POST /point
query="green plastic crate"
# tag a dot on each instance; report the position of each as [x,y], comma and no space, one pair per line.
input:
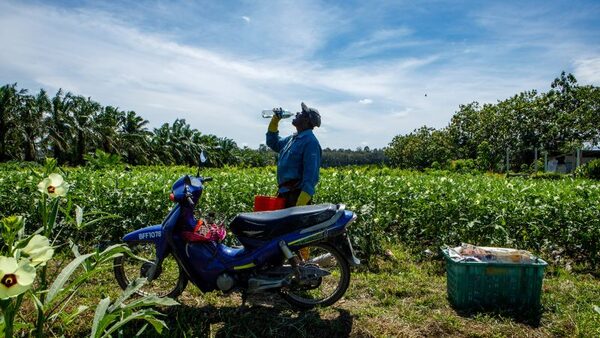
[475,285]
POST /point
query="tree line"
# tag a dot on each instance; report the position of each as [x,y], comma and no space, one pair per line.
[76,130]
[564,119]
[359,156]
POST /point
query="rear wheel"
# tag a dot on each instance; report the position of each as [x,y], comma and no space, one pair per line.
[313,290]
[170,279]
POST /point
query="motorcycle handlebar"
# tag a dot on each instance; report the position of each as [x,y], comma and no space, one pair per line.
[188,195]
[190,201]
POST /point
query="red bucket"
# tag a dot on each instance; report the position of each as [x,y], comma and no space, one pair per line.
[266,203]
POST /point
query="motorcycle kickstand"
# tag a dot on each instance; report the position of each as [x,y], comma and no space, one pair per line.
[243,307]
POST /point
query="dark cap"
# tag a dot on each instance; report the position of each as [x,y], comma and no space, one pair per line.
[313,115]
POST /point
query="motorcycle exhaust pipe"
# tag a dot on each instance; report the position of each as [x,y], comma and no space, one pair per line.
[256,285]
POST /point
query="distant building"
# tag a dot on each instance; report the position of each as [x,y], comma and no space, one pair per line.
[566,163]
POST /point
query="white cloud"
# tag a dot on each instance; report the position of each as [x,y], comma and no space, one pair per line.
[221,92]
[382,36]
[245,18]
[588,71]
[289,29]
[402,113]
[92,55]
[549,36]
[382,40]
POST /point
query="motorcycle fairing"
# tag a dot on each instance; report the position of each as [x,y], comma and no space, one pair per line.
[195,188]
[155,234]
[213,259]
[151,233]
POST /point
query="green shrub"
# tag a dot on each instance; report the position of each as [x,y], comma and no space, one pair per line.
[101,160]
[464,166]
[484,159]
[589,170]
[539,164]
[548,176]
[524,168]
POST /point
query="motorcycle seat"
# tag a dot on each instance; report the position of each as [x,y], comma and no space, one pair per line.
[270,224]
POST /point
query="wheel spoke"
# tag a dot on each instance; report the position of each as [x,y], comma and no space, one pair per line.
[166,281]
[323,290]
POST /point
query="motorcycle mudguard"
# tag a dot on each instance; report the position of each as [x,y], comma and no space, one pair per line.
[342,242]
[335,235]
[339,238]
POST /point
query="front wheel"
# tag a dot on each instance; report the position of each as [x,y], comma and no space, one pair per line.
[170,279]
[321,290]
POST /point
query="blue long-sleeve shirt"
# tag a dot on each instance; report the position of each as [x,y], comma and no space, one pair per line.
[299,159]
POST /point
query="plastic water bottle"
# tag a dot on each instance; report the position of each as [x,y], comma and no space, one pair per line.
[268,113]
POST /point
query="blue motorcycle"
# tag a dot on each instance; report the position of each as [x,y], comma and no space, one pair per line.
[302,253]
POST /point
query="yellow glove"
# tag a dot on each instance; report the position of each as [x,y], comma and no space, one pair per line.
[303,199]
[274,124]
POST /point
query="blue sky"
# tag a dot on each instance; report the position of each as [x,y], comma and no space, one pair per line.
[366,65]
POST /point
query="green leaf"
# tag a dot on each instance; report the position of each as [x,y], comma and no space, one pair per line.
[106,216]
[74,285]
[64,275]
[130,290]
[140,331]
[112,252]
[74,248]
[147,315]
[52,215]
[115,248]
[99,314]
[152,301]
[37,302]
[69,318]
[158,324]
[597,308]
[78,216]
[106,321]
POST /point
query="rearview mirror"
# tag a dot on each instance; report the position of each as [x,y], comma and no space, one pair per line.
[201,160]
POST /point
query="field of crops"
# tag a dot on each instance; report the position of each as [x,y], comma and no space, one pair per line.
[558,218]
[401,213]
